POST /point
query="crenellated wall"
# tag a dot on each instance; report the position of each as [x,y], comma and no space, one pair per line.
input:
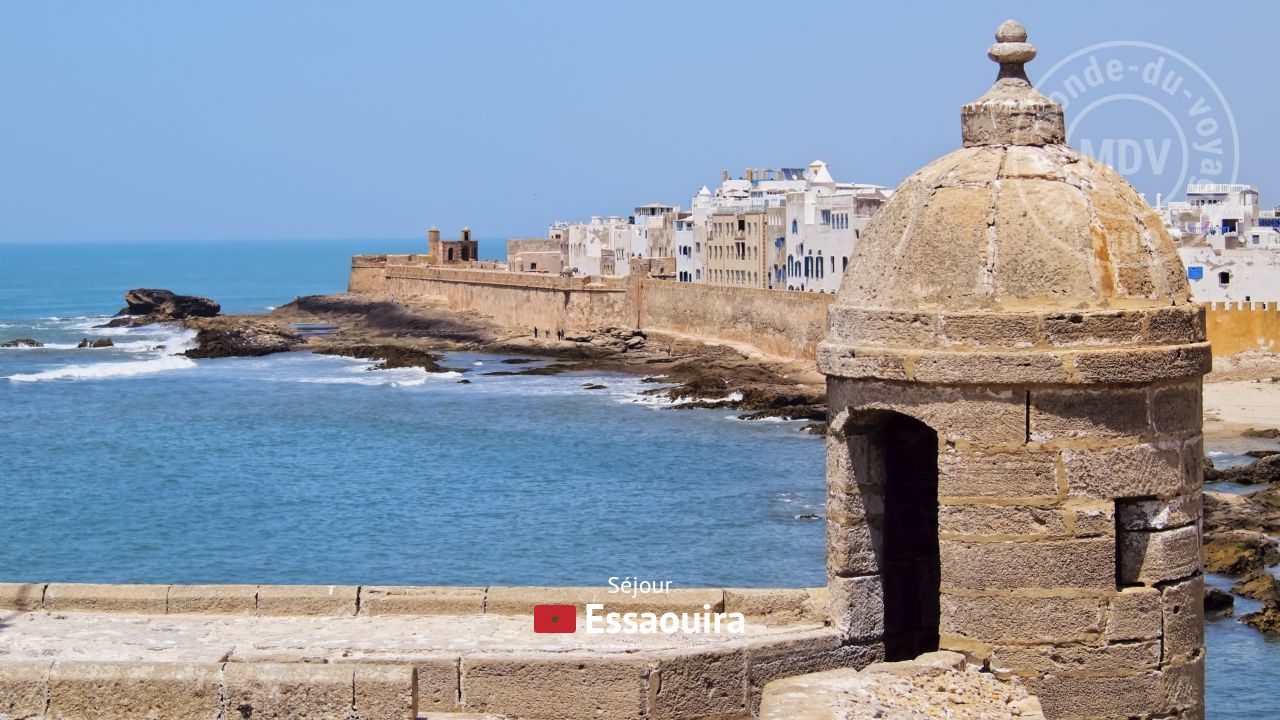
[1235,327]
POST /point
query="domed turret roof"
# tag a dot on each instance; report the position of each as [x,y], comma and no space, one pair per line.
[1015,260]
[1015,220]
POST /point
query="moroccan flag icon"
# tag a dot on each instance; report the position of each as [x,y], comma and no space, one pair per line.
[555,619]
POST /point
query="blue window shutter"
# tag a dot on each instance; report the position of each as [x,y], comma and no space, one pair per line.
[1195,272]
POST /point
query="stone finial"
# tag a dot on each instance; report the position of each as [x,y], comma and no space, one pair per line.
[1012,112]
[1012,50]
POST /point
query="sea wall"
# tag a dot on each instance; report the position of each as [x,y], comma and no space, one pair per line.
[548,302]
[1235,327]
[777,321]
[783,323]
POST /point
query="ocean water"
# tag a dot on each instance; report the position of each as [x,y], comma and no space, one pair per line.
[131,464]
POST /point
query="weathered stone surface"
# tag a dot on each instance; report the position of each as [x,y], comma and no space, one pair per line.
[1030,661]
[767,662]
[1092,518]
[1071,414]
[980,368]
[976,414]
[851,549]
[592,689]
[1080,563]
[438,682]
[1178,408]
[1182,687]
[857,607]
[1084,697]
[1176,324]
[1159,514]
[213,599]
[1009,619]
[21,596]
[1182,606]
[889,329]
[961,521]
[310,691]
[937,684]
[1137,470]
[778,606]
[706,684]
[24,688]
[110,691]
[985,330]
[997,475]
[1149,557]
[307,599]
[1146,365]
[1134,614]
[403,600]
[385,692]
[1094,328]
[520,600]
[145,599]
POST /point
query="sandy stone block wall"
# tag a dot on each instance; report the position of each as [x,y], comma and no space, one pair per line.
[213,599]
[593,689]
[21,596]
[24,689]
[520,600]
[110,691]
[390,600]
[776,321]
[302,690]
[145,599]
[316,600]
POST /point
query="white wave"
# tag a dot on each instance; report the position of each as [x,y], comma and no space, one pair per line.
[270,308]
[398,377]
[764,419]
[104,371]
[46,346]
[478,363]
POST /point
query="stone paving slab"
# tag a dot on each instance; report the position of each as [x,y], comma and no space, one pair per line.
[77,636]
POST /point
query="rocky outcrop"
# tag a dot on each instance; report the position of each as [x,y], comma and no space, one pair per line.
[1258,511]
[99,343]
[1258,586]
[22,343]
[166,305]
[239,336]
[1258,472]
[390,356]
[1267,619]
[1239,552]
[1217,602]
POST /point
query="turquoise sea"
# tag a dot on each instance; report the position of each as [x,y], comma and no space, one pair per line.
[130,464]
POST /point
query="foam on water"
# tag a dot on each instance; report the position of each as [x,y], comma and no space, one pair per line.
[108,370]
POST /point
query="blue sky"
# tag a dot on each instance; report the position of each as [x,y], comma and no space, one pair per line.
[205,120]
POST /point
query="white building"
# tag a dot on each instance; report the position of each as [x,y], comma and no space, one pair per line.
[824,222]
[1229,245]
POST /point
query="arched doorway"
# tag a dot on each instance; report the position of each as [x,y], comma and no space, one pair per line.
[893,459]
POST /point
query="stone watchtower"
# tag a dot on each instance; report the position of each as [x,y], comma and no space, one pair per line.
[1014,379]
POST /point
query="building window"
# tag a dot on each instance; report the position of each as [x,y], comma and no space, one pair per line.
[1195,272]
[1224,278]
[793,227]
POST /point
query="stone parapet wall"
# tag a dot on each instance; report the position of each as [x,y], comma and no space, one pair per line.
[1236,327]
[780,322]
[788,324]
[775,606]
[260,652]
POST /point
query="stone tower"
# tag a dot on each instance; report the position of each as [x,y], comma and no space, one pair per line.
[1014,374]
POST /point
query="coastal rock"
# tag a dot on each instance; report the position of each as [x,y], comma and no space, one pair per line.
[1239,552]
[1217,602]
[1270,433]
[99,343]
[594,386]
[391,356]
[1258,511]
[22,342]
[220,337]
[1211,473]
[1258,586]
[164,305]
[1258,472]
[1259,454]
[1267,619]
